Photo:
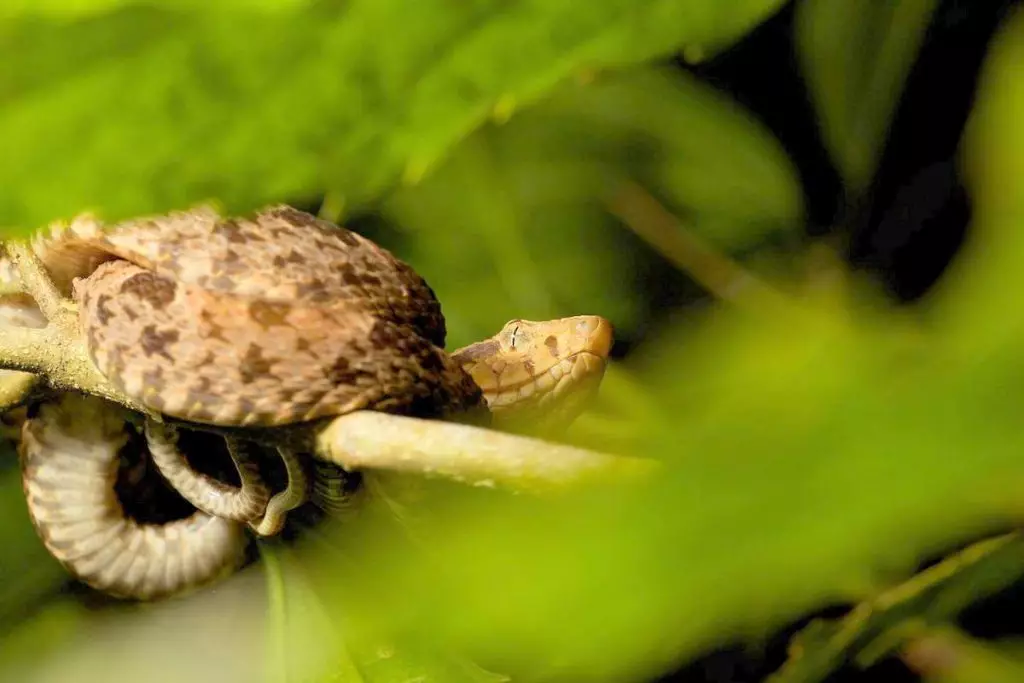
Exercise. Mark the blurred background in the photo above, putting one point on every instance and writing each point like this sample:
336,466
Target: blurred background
801,218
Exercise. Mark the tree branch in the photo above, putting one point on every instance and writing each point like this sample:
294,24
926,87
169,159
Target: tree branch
36,280
471,455
15,388
63,360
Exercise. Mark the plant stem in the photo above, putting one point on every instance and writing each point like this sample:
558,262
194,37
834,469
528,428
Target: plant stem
463,453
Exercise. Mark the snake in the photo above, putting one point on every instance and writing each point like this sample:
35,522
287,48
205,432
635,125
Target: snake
274,319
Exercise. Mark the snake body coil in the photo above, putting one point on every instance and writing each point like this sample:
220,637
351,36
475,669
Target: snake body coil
265,321
69,452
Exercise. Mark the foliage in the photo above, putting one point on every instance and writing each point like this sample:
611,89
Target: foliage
144,107
776,499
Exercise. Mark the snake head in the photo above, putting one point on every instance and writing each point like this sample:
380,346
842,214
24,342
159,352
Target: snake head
538,376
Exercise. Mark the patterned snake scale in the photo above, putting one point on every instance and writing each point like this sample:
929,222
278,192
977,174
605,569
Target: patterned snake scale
277,319
270,320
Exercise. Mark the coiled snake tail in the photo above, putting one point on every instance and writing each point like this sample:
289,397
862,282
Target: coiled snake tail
296,493
206,493
69,460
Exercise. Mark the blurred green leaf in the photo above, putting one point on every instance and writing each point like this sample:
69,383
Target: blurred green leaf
307,643
74,9
813,454
888,621
40,637
529,199
27,572
974,298
807,461
855,56
147,108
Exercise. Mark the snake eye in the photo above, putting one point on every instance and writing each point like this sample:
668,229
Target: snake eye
512,339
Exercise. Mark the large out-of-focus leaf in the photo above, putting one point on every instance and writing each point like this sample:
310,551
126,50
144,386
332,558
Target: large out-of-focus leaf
811,456
976,294
27,571
75,9
155,106
887,622
855,56
806,460
520,209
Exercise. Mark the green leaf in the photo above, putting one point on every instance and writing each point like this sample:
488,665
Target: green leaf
28,572
77,9
528,200
887,622
973,298
809,459
855,57
145,108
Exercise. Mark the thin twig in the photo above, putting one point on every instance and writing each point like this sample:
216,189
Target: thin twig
463,453
62,360
720,275
35,279
15,389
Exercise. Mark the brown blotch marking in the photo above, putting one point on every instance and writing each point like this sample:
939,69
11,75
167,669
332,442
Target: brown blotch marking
313,291
431,361
269,314
232,263
341,372
552,343
382,336
349,275
212,330
294,216
312,286
254,365
153,341
346,236
280,232
150,287
292,257
301,344
103,311
479,350
232,231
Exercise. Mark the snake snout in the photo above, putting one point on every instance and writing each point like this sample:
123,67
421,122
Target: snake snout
597,333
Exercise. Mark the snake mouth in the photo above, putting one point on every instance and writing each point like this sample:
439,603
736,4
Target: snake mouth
553,399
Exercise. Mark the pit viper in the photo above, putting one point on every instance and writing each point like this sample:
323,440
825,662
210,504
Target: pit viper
275,319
